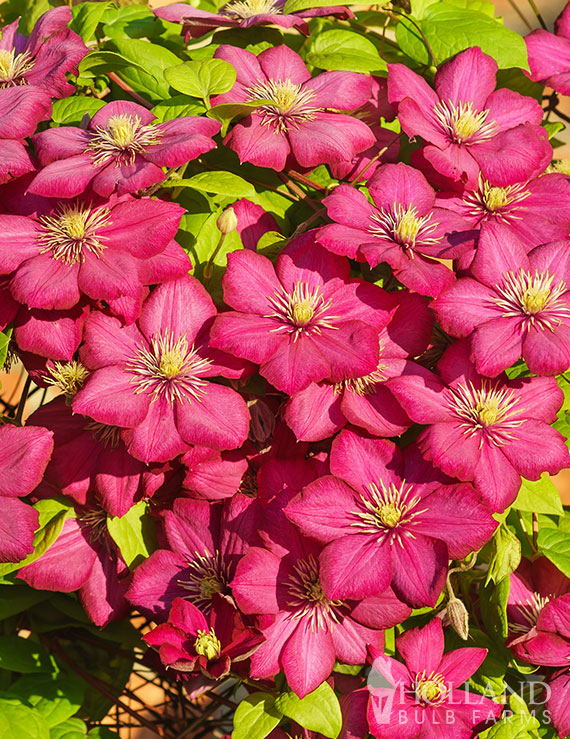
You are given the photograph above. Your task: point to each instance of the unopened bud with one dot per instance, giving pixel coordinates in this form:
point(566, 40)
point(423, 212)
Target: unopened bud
point(458, 617)
point(227, 221)
point(262, 422)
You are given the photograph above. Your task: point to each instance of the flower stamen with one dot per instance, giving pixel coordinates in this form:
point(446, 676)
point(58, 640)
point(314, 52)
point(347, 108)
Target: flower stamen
point(72, 231)
point(289, 104)
point(535, 298)
point(405, 226)
point(302, 310)
point(462, 123)
point(121, 139)
point(13, 67)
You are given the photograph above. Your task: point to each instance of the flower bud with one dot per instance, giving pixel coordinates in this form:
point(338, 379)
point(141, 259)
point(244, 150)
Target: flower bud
point(458, 617)
point(227, 221)
point(262, 422)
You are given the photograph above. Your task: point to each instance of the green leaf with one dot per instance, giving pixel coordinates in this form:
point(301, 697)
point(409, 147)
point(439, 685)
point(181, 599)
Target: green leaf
point(540, 496)
point(202, 79)
point(319, 711)
point(177, 107)
point(57, 698)
point(339, 49)
point(295, 6)
point(256, 717)
point(17, 598)
point(133, 533)
point(555, 545)
point(70, 111)
point(450, 29)
point(23, 655)
point(227, 112)
point(103, 62)
point(20, 722)
point(152, 59)
point(86, 18)
point(505, 554)
point(102, 732)
point(5, 337)
point(553, 128)
point(220, 183)
point(517, 724)
point(73, 728)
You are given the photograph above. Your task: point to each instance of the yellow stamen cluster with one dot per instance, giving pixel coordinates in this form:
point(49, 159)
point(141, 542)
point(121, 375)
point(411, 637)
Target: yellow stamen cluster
point(250, 8)
point(121, 139)
point(430, 688)
point(13, 67)
point(71, 231)
point(69, 376)
point(208, 645)
point(463, 123)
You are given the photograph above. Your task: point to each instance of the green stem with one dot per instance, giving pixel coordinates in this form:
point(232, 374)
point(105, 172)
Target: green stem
point(536, 11)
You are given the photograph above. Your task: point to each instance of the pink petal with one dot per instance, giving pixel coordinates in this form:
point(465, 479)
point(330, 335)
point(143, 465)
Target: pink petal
point(464, 306)
point(361, 460)
point(21, 109)
point(469, 76)
point(355, 567)
point(254, 585)
point(403, 83)
point(44, 282)
point(24, 454)
point(399, 183)
point(419, 569)
point(330, 137)
point(111, 275)
point(250, 282)
point(253, 222)
point(339, 90)
point(247, 336)
point(282, 63)
point(155, 438)
point(378, 412)
point(322, 509)
point(20, 232)
point(348, 206)
point(126, 178)
point(17, 526)
point(65, 178)
point(156, 582)
point(308, 658)
point(143, 227)
point(495, 478)
point(422, 648)
point(421, 396)
point(509, 109)
point(454, 161)
point(499, 252)
point(458, 666)
point(295, 364)
point(107, 342)
point(496, 345)
point(259, 144)
point(342, 240)
point(108, 397)
point(315, 413)
point(547, 352)
point(246, 64)
point(549, 452)
point(60, 143)
point(540, 397)
point(451, 449)
point(103, 594)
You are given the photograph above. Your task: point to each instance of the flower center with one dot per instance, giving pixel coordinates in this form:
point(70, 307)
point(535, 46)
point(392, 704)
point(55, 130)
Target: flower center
point(71, 232)
point(251, 8)
point(207, 575)
point(462, 123)
point(13, 67)
point(96, 521)
point(289, 104)
point(529, 611)
point(430, 688)
point(404, 226)
point(535, 298)
point(384, 508)
point(490, 409)
point(307, 597)
point(68, 376)
point(489, 201)
point(303, 309)
point(107, 436)
point(207, 644)
point(121, 139)
point(365, 385)
point(168, 368)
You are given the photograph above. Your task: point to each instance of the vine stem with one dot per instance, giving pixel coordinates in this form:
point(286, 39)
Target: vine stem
point(375, 158)
point(520, 14)
point(23, 398)
point(525, 532)
point(127, 88)
point(538, 14)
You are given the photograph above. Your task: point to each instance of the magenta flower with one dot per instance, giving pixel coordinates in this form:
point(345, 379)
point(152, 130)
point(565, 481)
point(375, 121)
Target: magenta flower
point(252, 222)
point(548, 641)
point(119, 151)
point(84, 558)
point(512, 305)
point(90, 458)
point(304, 319)
point(45, 58)
point(24, 455)
point(469, 128)
point(549, 54)
point(74, 247)
point(425, 700)
point(206, 542)
point(189, 642)
point(150, 379)
point(297, 129)
point(308, 630)
point(243, 14)
point(387, 517)
point(525, 207)
point(482, 429)
point(402, 227)
point(532, 586)
point(323, 408)
point(21, 109)
point(558, 704)
point(213, 475)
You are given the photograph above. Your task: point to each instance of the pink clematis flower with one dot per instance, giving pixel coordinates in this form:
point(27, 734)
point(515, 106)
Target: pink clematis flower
point(206, 542)
point(152, 379)
point(213, 475)
point(304, 319)
point(424, 699)
point(21, 109)
point(244, 14)
point(402, 227)
point(189, 642)
point(72, 247)
point(323, 408)
point(532, 586)
point(513, 305)
point(252, 222)
point(470, 128)
point(296, 127)
point(45, 58)
point(24, 455)
point(549, 54)
point(86, 559)
point(120, 151)
point(558, 703)
point(482, 429)
point(90, 458)
point(548, 641)
point(525, 207)
point(387, 517)
point(304, 630)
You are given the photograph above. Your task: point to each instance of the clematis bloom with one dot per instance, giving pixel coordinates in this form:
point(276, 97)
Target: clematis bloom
point(120, 151)
point(549, 54)
point(468, 126)
point(297, 125)
point(387, 517)
point(512, 305)
point(424, 699)
point(304, 319)
point(402, 227)
point(481, 429)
